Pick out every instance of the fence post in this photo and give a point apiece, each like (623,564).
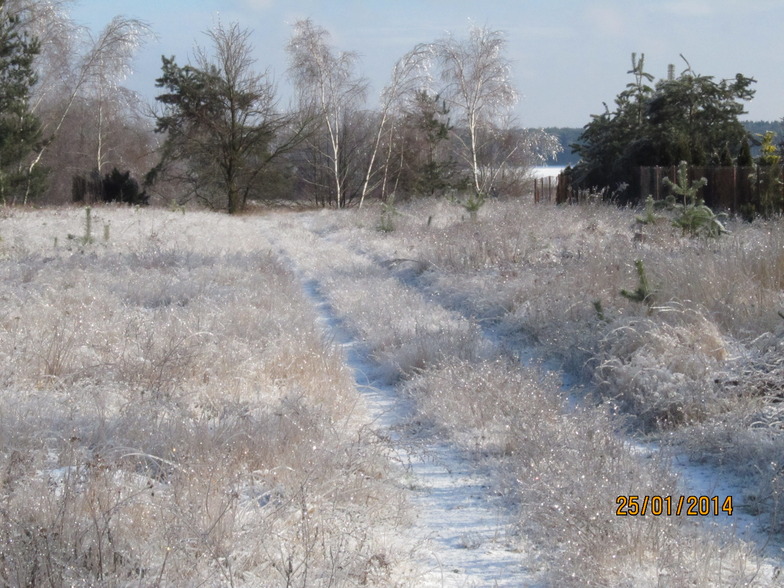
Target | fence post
(734,196)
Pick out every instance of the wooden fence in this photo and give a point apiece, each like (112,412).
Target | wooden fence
(728,188)
(545,188)
(731,188)
(557,189)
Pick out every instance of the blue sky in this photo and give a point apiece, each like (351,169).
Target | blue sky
(569,56)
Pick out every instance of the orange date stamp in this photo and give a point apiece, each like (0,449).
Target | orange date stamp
(691,506)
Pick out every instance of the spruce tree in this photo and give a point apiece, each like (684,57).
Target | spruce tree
(19,128)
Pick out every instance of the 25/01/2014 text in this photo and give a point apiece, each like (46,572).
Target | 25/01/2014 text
(692,506)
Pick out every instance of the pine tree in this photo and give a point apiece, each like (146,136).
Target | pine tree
(19,128)
(689,118)
(223,129)
(768,176)
(431,118)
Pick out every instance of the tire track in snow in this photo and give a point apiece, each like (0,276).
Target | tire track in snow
(695,479)
(466,535)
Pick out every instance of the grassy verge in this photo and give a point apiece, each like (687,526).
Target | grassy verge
(170,414)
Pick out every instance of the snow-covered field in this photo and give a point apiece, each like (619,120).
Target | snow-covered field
(302,399)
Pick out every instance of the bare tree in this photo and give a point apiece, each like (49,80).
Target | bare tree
(409,75)
(48,22)
(90,70)
(328,89)
(479,89)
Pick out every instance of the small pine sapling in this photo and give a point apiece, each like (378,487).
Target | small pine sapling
(643,293)
(597,306)
(649,216)
(472,205)
(87,238)
(693,216)
(388,214)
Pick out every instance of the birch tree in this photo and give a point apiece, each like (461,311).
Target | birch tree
(48,22)
(478,87)
(329,90)
(409,75)
(85,68)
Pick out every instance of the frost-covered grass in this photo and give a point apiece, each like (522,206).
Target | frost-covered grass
(701,362)
(556,274)
(564,470)
(170,413)
(536,280)
(699,365)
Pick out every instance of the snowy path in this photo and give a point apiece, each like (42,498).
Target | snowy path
(464,534)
